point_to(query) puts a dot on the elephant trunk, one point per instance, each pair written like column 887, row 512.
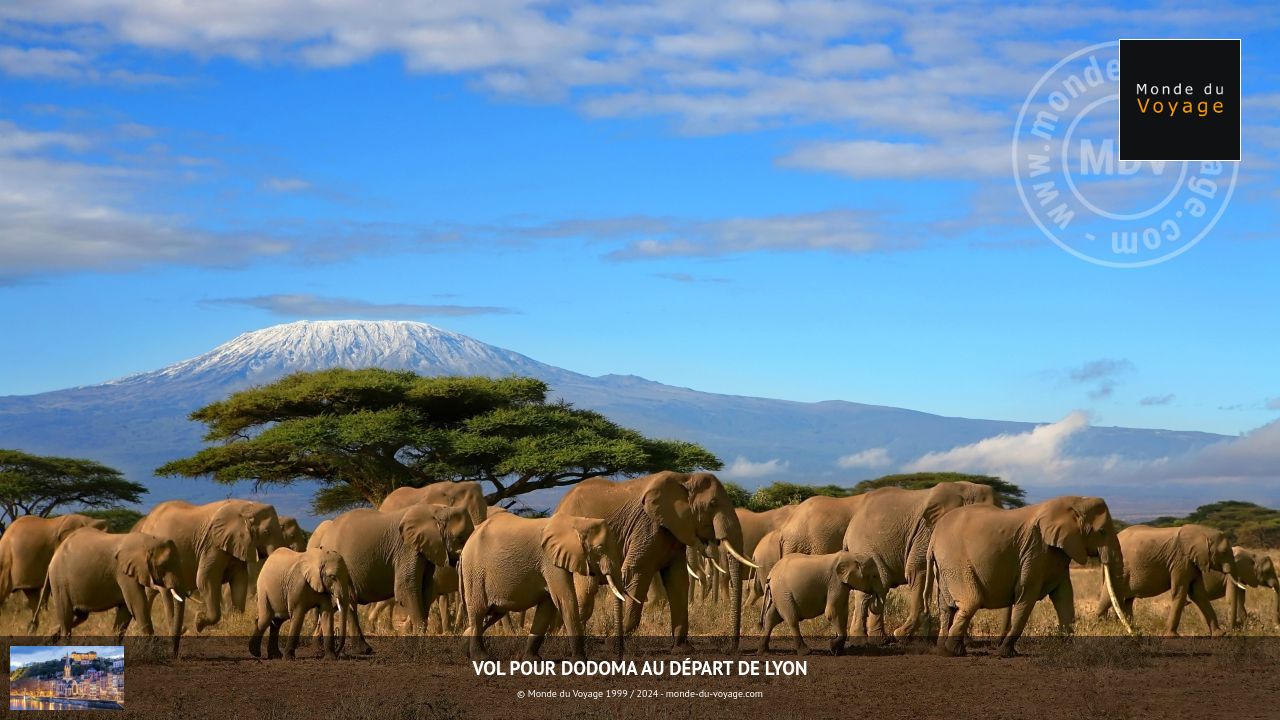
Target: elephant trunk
column 179, row 610
column 729, row 533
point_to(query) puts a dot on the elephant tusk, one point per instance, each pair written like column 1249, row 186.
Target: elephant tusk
column 614, row 588
column 716, row 565
column 175, row 595
column 692, row 574
column 1238, row 583
column 635, row 599
column 1115, row 601
column 729, row 547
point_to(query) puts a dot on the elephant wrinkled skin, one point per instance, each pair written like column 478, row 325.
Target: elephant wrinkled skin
column 93, row 571
column 989, row 558
column 893, row 526
column 1252, row 570
column 655, row 518
column 290, row 585
column 513, row 563
column 467, row 495
column 218, row 542
column 1192, row 561
column 394, row 555
column 26, row 548
column 806, row 586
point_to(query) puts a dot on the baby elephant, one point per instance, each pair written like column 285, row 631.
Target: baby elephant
column 92, row 571
column 806, row 586
column 290, row 585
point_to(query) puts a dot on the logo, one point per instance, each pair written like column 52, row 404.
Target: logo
column 1083, row 197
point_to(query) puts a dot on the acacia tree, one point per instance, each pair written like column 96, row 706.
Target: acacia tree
column 363, row 433
column 38, row 485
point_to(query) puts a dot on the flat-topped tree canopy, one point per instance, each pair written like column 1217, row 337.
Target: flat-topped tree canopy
column 363, row 433
column 40, row 485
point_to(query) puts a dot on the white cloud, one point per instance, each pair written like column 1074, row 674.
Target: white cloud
column 876, row 159
column 286, row 185
column 1036, row 456
column 315, row 306
column 872, row 458
column 746, row 469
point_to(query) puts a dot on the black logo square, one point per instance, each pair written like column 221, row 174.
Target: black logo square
column 1179, row 100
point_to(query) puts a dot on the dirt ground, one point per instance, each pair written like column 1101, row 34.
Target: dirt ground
column 431, row 678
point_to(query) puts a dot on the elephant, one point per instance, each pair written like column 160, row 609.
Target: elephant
column 290, row 585
column 394, row 555
column 295, row 538
column 28, row 545
column 985, row 557
column 1189, row 560
column 218, row 542
column 800, row 587
column 893, row 526
column 466, row 495
column 513, row 563
column 92, row 571
column 767, row 554
column 655, row 517
column 755, row 525
column 1252, row 570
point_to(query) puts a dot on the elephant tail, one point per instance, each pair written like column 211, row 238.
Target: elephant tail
column 767, row 604
column 35, row 614
column 462, row 590
column 930, row 580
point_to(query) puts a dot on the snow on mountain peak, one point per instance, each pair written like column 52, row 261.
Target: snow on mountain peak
column 263, row 355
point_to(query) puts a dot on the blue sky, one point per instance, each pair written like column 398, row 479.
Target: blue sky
column 806, row 201
column 20, row 655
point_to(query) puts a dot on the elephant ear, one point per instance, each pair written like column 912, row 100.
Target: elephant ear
column 133, row 558
column 1198, row 548
column 942, row 499
column 311, row 570
column 666, row 500
column 423, row 527
column 564, row 540
column 849, row 568
column 228, row 530
column 1060, row 527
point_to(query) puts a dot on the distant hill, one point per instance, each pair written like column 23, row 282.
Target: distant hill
column 139, row 422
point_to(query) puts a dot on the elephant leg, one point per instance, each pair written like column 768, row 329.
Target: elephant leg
column 477, row 613
column 360, row 646
column 1200, row 597
column 875, row 619
column 121, row 622
column 769, row 619
column 542, row 618
column 793, row 621
column 1177, row 600
column 957, row 626
column 264, row 622
column 273, row 640
column 1063, row 598
column 1021, row 614
column 32, row 596
column 135, row 602
column 560, row 584
column 1004, row 619
column 1104, row 603
column 676, row 580
column 915, row 606
column 295, row 629
column 238, row 583
column 837, row 613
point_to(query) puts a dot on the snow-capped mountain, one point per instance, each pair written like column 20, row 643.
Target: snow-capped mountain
column 265, row 355
column 139, row 422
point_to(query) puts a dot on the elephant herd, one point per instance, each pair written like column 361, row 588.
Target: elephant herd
column 955, row 544
column 669, row 535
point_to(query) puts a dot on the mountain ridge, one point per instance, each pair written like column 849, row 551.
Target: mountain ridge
column 138, row 422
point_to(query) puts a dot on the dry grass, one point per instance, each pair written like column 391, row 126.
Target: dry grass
column 713, row 619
